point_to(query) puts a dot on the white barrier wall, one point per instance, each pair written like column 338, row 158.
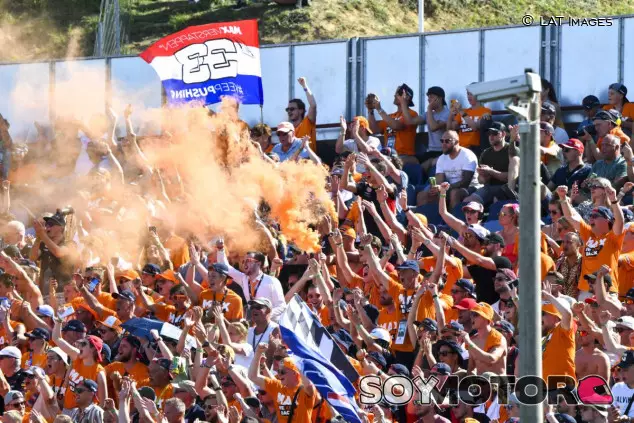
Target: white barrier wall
column 578, row 60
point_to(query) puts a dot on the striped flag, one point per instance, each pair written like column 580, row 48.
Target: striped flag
column 204, row 63
column 319, row 358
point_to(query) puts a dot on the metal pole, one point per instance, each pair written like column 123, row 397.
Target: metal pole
column 117, row 27
column 530, row 289
column 421, row 16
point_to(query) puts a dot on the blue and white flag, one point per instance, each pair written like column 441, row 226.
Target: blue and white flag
column 319, row 358
column 204, row 63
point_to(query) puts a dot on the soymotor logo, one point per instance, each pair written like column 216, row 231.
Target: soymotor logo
column 476, row 390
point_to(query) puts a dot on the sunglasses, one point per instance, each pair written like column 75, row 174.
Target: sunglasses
column 457, row 291
column 290, row 109
column 257, row 307
column 211, row 406
column 509, row 303
column 553, row 212
column 469, row 211
column 17, row 404
column 278, row 357
column 82, row 344
column 80, row 390
column 227, row 384
column 501, row 278
column 445, row 353
column 502, row 214
column 595, row 216
column 446, row 140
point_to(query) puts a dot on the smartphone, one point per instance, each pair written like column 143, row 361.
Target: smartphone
column 93, row 284
column 5, row 302
column 514, row 283
column 68, row 311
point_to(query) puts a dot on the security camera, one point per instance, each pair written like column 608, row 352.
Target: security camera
column 523, row 87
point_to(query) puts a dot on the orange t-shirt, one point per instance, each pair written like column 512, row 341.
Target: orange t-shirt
column 547, row 264
column 167, row 313
column 179, row 252
column 628, row 110
column 453, row 268
column 307, row 127
column 598, row 251
column 467, row 136
column 230, row 302
column 626, row 272
column 324, row 316
column 5, row 339
column 29, row 359
column 389, row 321
column 618, row 132
column 283, row 398
column 78, row 372
column 139, row 372
column 370, row 290
column 404, row 140
column 558, row 352
column 106, row 299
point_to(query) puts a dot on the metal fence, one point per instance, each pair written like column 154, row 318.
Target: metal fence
column 578, row 60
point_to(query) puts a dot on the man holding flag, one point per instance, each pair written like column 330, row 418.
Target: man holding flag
column 293, row 394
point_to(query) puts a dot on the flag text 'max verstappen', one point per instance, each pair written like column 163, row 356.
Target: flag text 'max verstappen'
column 204, row 63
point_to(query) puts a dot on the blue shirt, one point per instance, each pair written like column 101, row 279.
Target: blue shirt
column 296, row 145
column 563, row 176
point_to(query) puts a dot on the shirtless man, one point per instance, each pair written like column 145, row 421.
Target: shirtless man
column 487, row 349
column 590, row 360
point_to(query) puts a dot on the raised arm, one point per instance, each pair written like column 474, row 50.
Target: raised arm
column 471, row 256
column 373, row 262
column 451, row 220
column 560, row 304
column 339, row 146
column 254, row 368
column 69, row 349
column 312, row 104
column 380, row 223
column 573, row 218
column 346, row 183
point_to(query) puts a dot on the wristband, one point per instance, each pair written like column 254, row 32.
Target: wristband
column 306, row 89
column 443, row 195
column 434, row 296
column 200, row 350
column 614, row 203
column 339, row 244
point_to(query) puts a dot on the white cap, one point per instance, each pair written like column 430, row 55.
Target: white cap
column 12, row 352
column 382, row 334
column 625, row 321
column 60, row 353
column 46, row 310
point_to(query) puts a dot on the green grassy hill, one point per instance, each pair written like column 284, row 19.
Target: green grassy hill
column 44, row 29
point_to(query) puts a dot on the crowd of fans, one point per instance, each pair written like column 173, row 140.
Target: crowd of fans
column 417, row 273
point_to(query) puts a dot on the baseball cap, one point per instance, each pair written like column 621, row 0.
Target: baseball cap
column 454, row 325
column 285, row 127
column 467, row 285
column 125, row 294
column 590, row 102
column 605, row 212
column 502, row 262
column 89, row 384
column 400, row 369
column 609, row 115
column 348, row 231
column 548, row 108
column 573, row 143
column 165, row 364
column 372, row 311
column 548, row 307
column 12, row 396
column 545, row 126
column 60, row 353
column 438, row 91
column 35, row 371
column 625, row 321
column 113, row 323
column 484, row 310
column 128, row 274
column 430, row 324
column 505, row 326
column 409, row 265
column 12, row 251
column 187, row 386
column 151, row 269
column 619, row 88
column 381, row 334
column 601, row 409
column 497, row 127
column 627, row 359
column 628, row 216
column 39, row 333
column 57, row 219
column 442, row 369
column 378, row 358
column 45, row 310
column 221, row 268
column 630, row 294
column 495, row 238
column 473, row 205
column 12, row 352
column 363, row 123
column 147, row 392
column 465, row 304
column 607, row 279
column 264, row 302
column 478, row 231
column 97, row 344
column 169, row 275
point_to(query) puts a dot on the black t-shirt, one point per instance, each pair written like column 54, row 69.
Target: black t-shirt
column 484, row 288
column 498, row 160
column 53, row 267
column 16, row 382
column 563, row 176
column 366, row 192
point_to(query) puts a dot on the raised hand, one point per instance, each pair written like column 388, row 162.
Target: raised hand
column 302, row 82
column 343, row 125
column 562, row 191
column 444, row 187
column 381, row 194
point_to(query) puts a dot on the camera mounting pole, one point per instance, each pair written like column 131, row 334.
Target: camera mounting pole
column 527, row 110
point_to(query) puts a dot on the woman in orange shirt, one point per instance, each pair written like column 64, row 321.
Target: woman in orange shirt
column 86, row 359
column 617, row 99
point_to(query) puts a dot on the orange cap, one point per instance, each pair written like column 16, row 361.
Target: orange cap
column 363, row 123
column 112, row 323
column 169, row 275
column 129, row 274
column 422, row 218
column 484, row 310
column 348, row 231
column 89, row 310
column 550, row 308
column 290, row 364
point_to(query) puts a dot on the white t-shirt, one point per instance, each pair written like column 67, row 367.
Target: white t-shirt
column 263, row 338
column 244, row 360
column 351, row 146
column 452, row 168
column 622, row 395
